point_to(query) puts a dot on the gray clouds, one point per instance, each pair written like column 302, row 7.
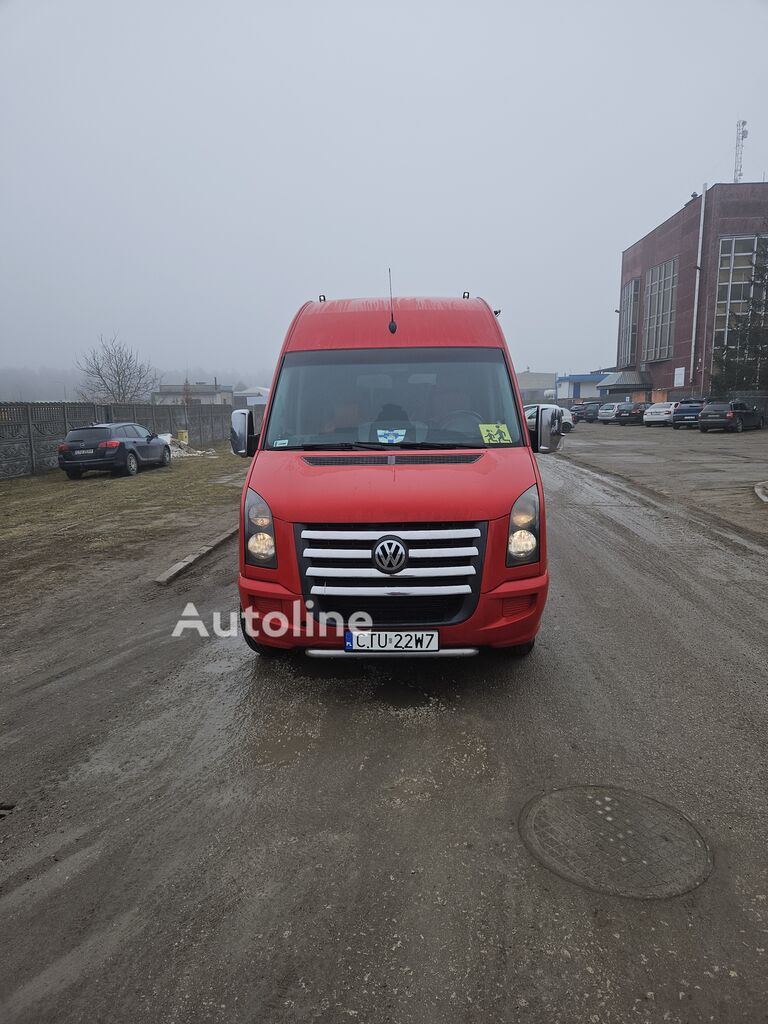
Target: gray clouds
column 189, row 172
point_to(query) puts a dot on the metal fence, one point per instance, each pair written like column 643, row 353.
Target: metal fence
column 31, row 431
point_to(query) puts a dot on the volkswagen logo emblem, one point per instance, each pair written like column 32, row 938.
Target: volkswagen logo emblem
column 390, row 555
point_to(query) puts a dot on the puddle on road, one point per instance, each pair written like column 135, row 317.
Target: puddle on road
column 264, row 714
column 396, row 694
column 281, row 749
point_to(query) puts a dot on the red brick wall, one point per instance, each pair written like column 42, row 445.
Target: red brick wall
column 729, row 210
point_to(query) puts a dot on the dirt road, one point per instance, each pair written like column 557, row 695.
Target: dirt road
column 200, row 835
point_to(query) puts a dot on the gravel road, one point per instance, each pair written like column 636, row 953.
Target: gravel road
column 200, row 835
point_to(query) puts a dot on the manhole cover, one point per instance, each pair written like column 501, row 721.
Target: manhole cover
column 615, row 841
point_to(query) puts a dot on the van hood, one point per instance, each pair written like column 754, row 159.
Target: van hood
column 344, row 487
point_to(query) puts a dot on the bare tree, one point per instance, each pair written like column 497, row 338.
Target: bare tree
column 112, row 372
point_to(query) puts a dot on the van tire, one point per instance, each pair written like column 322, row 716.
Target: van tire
column 522, row 650
column 263, row 650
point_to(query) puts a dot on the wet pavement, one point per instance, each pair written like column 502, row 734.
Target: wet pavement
column 200, row 835
column 712, row 474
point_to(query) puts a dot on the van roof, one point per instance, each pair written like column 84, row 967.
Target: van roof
column 364, row 323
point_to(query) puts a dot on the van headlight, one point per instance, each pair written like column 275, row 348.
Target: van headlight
column 258, row 532
column 523, row 540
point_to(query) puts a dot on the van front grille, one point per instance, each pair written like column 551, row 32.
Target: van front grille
column 439, row 583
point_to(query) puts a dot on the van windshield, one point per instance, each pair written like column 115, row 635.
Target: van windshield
column 421, row 397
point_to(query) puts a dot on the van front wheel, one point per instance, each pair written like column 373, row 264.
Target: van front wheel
column 522, row 650
column 263, row 649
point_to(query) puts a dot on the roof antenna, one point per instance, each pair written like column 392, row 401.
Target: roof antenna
column 392, row 324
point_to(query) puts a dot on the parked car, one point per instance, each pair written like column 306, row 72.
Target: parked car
column 733, row 416
column 659, row 414
column 113, row 448
column 607, row 413
column 631, row 412
column 577, row 411
column 568, row 421
column 530, row 418
column 687, row 413
column 591, row 409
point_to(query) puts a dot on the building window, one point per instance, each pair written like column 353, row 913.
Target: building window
column 659, row 323
column 734, row 281
column 628, row 318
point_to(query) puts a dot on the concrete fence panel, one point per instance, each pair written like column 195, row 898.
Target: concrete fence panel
column 30, row 432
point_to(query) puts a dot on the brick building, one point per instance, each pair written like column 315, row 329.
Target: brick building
column 673, row 308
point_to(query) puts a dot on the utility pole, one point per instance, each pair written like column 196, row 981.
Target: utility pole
column 741, row 134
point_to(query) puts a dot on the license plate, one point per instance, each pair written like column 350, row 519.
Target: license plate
column 85, row 451
column 390, row 642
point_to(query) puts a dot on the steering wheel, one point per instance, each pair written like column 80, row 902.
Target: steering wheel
column 459, row 419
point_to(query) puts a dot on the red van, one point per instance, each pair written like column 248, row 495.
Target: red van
column 393, row 505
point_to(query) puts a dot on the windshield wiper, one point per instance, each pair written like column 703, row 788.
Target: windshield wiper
column 433, row 444
column 377, row 446
column 333, row 446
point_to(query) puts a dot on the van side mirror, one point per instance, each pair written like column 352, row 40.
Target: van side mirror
column 546, row 429
column 242, row 435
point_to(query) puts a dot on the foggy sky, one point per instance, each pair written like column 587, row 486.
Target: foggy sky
column 189, row 172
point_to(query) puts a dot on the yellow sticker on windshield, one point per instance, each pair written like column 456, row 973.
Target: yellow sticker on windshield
column 495, row 433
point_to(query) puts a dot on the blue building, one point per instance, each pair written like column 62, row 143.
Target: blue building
column 578, row 387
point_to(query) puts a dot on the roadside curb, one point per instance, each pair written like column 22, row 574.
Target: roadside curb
column 761, row 490
column 186, row 563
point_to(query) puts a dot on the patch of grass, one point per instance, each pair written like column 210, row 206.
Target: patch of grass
column 49, row 524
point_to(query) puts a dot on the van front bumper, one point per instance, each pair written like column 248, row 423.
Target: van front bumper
column 504, row 617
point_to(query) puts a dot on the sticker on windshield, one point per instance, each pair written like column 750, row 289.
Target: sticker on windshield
column 495, row 433
column 280, row 444
column 391, row 436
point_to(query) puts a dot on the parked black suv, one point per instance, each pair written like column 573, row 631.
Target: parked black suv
column 111, row 447
column 736, row 416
